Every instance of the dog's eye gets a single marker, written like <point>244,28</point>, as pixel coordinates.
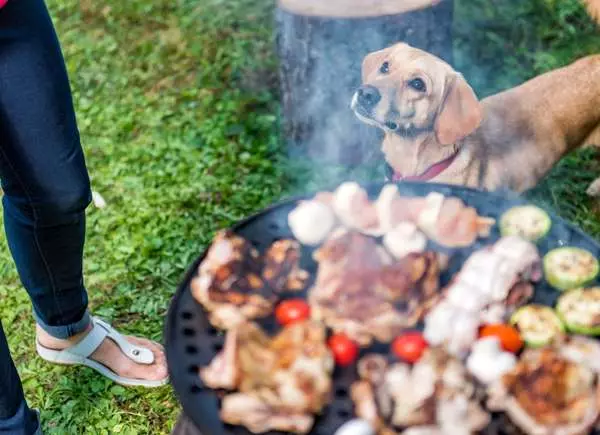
<point>385,68</point>
<point>417,84</point>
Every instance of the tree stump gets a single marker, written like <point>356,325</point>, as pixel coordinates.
<point>321,45</point>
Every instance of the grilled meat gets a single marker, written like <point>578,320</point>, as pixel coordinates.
<point>235,283</point>
<point>287,375</point>
<point>435,395</point>
<point>547,394</point>
<point>359,290</point>
<point>492,282</point>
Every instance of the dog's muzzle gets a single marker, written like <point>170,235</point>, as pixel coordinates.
<point>367,97</point>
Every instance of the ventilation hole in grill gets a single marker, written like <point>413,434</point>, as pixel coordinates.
<point>186,315</point>
<point>341,393</point>
<point>217,347</point>
<point>343,413</point>
<point>193,369</point>
<point>189,332</point>
<point>195,389</point>
<point>191,350</point>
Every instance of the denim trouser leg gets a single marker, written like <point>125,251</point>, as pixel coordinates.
<point>45,184</point>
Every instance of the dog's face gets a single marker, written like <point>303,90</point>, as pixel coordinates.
<point>408,92</point>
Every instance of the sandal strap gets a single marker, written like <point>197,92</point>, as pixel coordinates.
<point>100,331</point>
<point>138,354</point>
<point>89,343</point>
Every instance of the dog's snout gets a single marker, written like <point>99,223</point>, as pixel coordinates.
<point>368,96</point>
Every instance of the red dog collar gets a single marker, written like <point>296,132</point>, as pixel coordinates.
<point>431,172</point>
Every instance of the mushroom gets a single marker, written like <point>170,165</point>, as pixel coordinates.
<point>311,222</point>
<point>488,362</point>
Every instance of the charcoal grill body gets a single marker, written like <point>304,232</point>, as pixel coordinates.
<point>191,342</point>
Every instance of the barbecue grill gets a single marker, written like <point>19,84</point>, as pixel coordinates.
<point>191,342</point>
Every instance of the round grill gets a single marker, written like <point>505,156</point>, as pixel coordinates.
<point>191,342</point>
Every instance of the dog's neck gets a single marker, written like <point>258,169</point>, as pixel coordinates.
<point>406,155</point>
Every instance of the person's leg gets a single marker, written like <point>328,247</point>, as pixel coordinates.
<point>15,416</point>
<point>46,185</point>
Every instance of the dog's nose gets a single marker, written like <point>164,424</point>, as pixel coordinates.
<point>368,96</point>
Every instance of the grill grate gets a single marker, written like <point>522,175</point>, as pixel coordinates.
<point>191,342</point>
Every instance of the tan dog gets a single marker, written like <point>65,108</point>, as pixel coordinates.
<point>436,129</point>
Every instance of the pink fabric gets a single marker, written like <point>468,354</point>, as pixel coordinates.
<point>3,3</point>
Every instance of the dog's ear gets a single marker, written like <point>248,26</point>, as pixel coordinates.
<point>373,61</point>
<point>460,112</point>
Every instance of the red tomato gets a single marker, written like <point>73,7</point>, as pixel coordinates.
<point>509,337</point>
<point>344,350</point>
<point>292,310</point>
<point>409,346</point>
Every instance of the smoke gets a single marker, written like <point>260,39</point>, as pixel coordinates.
<point>320,66</point>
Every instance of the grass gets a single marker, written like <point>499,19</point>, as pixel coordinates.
<point>177,106</point>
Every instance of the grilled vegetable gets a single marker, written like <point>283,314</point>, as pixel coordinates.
<point>292,310</point>
<point>567,268</point>
<point>580,310</point>
<point>345,351</point>
<point>409,346</point>
<point>537,324</point>
<point>509,337</point>
<point>526,221</point>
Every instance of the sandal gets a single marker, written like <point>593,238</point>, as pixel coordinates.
<point>79,354</point>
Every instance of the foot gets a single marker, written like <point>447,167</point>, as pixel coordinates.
<point>110,355</point>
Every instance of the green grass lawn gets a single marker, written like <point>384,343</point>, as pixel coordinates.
<point>177,106</point>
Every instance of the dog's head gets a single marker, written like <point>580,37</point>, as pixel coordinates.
<point>409,92</point>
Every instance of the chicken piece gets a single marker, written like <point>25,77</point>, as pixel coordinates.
<point>452,327</point>
<point>358,292</point>
<point>491,283</point>
<point>253,413</point>
<point>434,396</point>
<point>287,375</point>
<point>235,283</point>
<point>547,394</point>
<point>229,279</point>
<point>281,271</point>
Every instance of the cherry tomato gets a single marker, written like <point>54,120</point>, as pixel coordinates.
<point>409,346</point>
<point>292,310</point>
<point>344,350</point>
<point>509,337</point>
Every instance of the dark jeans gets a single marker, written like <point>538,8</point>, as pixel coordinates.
<point>46,188</point>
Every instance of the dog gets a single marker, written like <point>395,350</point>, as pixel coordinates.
<point>436,129</point>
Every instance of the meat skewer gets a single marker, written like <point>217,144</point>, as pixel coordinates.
<point>446,221</point>
<point>485,282</point>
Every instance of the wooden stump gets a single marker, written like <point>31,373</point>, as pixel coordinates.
<point>321,45</point>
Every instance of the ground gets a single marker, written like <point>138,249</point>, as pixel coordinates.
<point>177,107</point>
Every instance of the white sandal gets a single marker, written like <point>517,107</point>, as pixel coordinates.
<point>79,354</point>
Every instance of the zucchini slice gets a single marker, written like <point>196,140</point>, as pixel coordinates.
<point>526,221</point>
<point>537,324</point>
<point>580,310</point>
<point>568,268</point>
